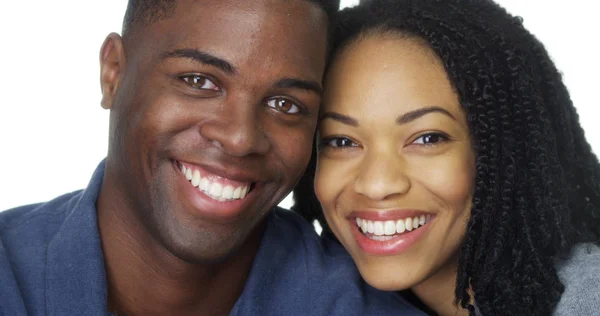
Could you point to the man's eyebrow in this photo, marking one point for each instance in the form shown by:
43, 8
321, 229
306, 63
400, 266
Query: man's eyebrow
344, 119
300, 84
413, 115
202, 57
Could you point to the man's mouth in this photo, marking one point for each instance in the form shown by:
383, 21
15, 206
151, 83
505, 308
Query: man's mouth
390, 229
216, 187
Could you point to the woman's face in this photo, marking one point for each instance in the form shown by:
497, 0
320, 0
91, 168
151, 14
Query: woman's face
396, 168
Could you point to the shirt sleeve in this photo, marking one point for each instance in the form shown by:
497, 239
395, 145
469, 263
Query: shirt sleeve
580, 275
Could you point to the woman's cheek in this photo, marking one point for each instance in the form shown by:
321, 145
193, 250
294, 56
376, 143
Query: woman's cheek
450, 177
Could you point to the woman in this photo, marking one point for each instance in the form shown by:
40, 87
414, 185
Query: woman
452, 165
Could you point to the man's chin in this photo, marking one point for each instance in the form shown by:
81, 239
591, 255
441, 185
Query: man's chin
203, 246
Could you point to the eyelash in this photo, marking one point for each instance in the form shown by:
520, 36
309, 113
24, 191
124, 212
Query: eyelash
193, 79
349, 143
442, 138
276, 104
327, 142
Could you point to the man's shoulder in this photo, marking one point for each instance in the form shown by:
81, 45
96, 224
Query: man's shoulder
26, 216
25, 233
288, 229
580, 274
302, 273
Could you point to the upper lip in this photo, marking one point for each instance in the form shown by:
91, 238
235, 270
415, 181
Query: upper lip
385, 215
230, 172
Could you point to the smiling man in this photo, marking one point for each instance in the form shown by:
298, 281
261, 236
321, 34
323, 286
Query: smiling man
213, 106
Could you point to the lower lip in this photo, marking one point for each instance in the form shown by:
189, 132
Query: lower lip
206, 206
394, 246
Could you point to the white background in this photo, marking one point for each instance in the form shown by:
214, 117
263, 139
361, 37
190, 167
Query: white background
53, 131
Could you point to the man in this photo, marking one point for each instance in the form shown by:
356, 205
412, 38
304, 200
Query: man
213, 109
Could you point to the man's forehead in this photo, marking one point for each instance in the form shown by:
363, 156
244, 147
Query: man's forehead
288, 38
244, 26
265, 15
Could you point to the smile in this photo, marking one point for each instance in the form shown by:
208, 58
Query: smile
215, 187
387, 230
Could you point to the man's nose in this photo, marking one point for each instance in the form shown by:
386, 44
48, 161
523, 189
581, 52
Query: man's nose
239, 132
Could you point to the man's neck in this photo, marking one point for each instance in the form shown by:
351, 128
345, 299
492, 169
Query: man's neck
437, 292
144, 278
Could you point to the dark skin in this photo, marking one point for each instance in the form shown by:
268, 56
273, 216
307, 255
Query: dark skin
232, 87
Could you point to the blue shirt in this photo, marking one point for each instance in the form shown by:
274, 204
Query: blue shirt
51, 263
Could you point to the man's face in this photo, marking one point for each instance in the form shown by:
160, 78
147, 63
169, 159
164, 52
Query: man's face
212, 119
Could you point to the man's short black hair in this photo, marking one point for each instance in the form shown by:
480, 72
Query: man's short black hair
144, 12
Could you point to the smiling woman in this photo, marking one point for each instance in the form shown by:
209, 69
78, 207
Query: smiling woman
394, 160
452, 165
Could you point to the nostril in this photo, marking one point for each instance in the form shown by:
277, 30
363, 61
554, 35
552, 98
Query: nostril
217, 143
236, 139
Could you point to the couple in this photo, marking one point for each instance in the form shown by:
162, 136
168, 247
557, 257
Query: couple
450, 165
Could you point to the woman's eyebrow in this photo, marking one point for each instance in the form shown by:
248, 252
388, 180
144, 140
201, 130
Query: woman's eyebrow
413, 115
402, 119
344, 119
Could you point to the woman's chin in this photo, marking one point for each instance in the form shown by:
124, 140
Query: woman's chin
386, 279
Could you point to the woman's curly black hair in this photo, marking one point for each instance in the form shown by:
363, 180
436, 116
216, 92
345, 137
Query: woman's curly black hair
537, 190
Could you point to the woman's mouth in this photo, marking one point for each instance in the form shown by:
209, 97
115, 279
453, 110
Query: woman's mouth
387, 230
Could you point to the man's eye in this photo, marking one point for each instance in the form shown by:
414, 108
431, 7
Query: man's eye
338, 142
430, 139
283, 105
199, 82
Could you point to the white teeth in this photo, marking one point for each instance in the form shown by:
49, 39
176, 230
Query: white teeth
227, 193
204, 185
390, 228
216, 189
409, 224
244, 192
363, 226
237, 193
400, 228
196, 178
380, 238
378, 228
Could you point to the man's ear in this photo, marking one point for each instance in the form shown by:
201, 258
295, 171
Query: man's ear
112, 65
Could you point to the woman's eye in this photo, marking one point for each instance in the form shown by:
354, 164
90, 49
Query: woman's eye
199, 82
338, 142
430, 139
283, 105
